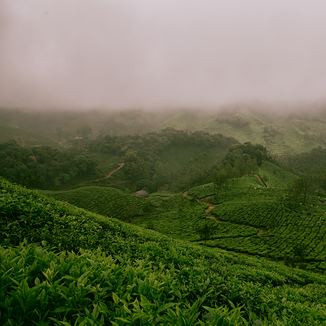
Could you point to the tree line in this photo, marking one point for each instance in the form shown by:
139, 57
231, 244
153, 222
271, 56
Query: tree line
44, 167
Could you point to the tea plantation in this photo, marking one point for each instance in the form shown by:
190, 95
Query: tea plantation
245, 217
61, 265
103, 200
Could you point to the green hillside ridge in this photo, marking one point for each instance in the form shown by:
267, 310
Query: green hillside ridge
45, 167
23, 137
166, 160
103, 200
137, 276
246, 217
282, 134
282, 232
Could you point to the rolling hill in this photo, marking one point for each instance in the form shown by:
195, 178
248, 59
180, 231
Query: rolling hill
107, 201
248, 216
85, 268
282, 134
166, 160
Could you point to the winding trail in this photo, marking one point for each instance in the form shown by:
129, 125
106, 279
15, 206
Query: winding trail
119, 167
110, 174
208, 210
261, 180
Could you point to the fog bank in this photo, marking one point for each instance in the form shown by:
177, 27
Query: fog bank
160, 53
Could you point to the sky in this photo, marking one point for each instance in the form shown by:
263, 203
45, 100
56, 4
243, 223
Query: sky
160, 53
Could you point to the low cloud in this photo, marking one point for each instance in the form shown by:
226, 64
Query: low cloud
160, 53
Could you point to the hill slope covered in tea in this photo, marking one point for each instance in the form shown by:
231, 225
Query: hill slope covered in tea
129, 275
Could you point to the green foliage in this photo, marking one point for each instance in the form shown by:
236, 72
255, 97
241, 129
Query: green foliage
300, 192
172, 214
281, 134
96, 270
240, 160
105, 201
202, 191
44, 167
310, 165
169, 159
247, 216
206, 230
94, 289
137, 277
280, 230
245, 153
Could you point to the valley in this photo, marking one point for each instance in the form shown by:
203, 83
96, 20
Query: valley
249, 218
168, 227
162, 163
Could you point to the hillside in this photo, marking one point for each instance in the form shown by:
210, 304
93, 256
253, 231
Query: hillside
311, 164
104, 200
248, 216
137, 276
21, 136
282, 134
45, 167
166, 160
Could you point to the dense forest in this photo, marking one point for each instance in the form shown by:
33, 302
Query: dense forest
311, 164
44, 167
170, 159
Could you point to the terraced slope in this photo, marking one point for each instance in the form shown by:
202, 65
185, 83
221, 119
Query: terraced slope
155, 212
281, 232
254, 219
248, 217
137, 277
103, 200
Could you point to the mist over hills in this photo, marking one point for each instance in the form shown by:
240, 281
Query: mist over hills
203, 214
162, 53
175, 155
284, 130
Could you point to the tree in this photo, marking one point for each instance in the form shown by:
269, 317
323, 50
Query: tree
221, 179
299, 192
206, 230
246, 152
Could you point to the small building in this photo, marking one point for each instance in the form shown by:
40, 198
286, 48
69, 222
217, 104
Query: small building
141, 193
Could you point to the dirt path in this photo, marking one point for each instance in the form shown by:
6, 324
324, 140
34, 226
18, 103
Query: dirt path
213, 218
186, 195
208, 210
119, 167
261, 180
110, 174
